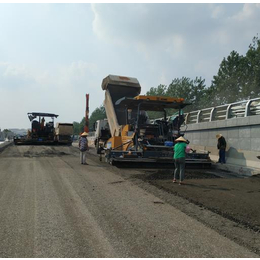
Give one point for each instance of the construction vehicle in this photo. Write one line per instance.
(133, 137)
(42, 133)
(102, 134)
(63, 133)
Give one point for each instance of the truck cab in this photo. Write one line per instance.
(102, 134)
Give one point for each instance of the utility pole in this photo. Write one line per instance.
(86, 127)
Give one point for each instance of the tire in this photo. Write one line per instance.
(97, 148)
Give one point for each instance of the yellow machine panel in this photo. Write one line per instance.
(127, 136)
(115, 142)
(127, 141)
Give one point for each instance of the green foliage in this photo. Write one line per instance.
(238, 77)
(82, 125)
(159, 91)
(229, 84)
(193, 91)
(253, 58)
(76, 128)
(7, 133)
(97, 114)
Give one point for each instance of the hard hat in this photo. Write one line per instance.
(84, 134)
(181, 139)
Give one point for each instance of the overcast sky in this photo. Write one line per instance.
(51, 55)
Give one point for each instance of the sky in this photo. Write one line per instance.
(52, 55)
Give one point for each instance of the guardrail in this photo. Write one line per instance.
(234, 110)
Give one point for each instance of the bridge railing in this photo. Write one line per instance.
(234, 110)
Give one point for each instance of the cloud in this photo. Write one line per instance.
(61, 90)
(175, 45)
(147, 23)
(179, 37)
(79, 69)
(217, 11)
(14, 77)
(249, 12)
(52, 54)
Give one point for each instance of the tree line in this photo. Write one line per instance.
(97, 114)
(238, 78)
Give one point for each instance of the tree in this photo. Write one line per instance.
(97, 114)
(238, 77)
(229, 84)
(253, 58)
(193, 91)
(7, 133)
(159, 91)
(76, 128)
(82, 124)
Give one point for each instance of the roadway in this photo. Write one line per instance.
(52, 206)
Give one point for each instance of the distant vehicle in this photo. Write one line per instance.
(45, 134)
(102, 134)
(63, 133)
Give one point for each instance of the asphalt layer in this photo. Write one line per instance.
(52, 206)
(223, 201)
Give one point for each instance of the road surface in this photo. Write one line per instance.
(52, 206)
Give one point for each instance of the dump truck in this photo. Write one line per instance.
(42, 132)
(63, 133)
(134, 138)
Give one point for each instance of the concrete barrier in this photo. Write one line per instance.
(5, 145)
(243, 141)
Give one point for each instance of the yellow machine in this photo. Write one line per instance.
(137, 119)
(134, 137)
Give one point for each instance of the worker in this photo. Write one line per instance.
(42, 123)
(179, 159)
(222, 148)
(29, 133)
(83, 147)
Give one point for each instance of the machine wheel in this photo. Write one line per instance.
(98, 149)
(108, 160)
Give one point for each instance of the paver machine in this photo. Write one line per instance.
(40, 132)
(135, 138)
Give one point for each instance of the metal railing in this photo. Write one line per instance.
(234, 110)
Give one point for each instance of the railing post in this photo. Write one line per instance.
(247, 110)
(187, 118)
(198, 116)
(228, 111)
(212, 114)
